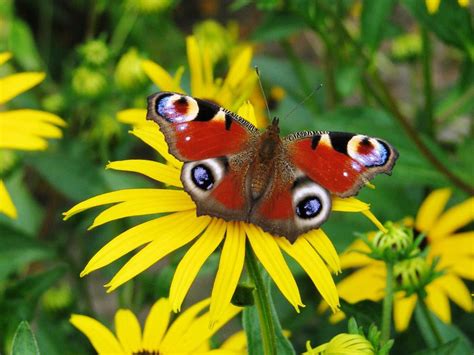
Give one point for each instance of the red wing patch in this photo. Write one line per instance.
(336, 172)
(230, 191)
(277, 206)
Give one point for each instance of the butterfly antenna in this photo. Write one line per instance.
(304, 100)
(257, 71)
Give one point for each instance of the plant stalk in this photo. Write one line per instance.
(387, 304)
(427, 123)
(263, 304)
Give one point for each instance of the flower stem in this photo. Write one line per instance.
(387, 304)
(429, 320)
(263, 304)
(427, 124)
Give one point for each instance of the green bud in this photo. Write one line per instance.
(413, 275)
(88, 82)
(129, 73)
(150, 6)
(95, 52)
(53, 103)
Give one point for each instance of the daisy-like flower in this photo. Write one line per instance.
(23, 129)
(455, 251)
(344, 343)
(162, 235)
(187, 334)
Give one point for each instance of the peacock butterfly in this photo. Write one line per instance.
(233, 171)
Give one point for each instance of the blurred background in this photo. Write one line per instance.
(398, 70)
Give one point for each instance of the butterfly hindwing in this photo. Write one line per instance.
(197, 129)
(340, 162)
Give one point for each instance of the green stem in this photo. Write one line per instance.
(427, 124)
(124, 26)
(429, 320)
(387, 304)
(263, 304)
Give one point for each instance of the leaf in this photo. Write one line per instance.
(451, 23)
(24, 341)
(18, 251)
(70, 171)
(277, 26)
(448, 332)
(443, 349)
(374, 18)
(366, 312)
(23, 45)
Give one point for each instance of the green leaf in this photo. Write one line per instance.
(374, 18)
(366, 312)
(251, 325)
(444, 349)
(451, 23)
(24, 341)
(18, 251)
(277, 26)
(70, 171)
(23, 45)
(449, 332)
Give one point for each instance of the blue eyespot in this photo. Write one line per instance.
(309, 207)
(202, 177)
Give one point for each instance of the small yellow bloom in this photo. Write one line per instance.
(433, 5)
(456, 259)
(343, 344)
(23, 129)
(187, 334)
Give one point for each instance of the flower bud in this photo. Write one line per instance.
(88, 82)
(129, 73)
(95, 52)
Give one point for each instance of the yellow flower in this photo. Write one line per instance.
(22, 129)
(187, 334)
(433, 5)
(165, 234)
(341, 344)
(455, 250)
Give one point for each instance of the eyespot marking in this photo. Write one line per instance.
(370, 152)
(310, 207)
(202, 177)
(177, 108)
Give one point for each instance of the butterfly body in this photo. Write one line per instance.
(236, 172)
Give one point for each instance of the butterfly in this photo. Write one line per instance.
(282, 184)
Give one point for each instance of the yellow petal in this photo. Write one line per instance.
(456, 290)
(160, 77)
(463, 3)
(155, 139)
(128, 330)
(237, 342)
(312, 263)
(402, 310)
(154, 170)
(6, 204)
(461, 266)
(267, 251)
(108, 198)
(168, 241)
(159, 201)
(17, 84)
(193, 260)
(134, 116)
(208, 78)
(375, 221)
(4, 57)
(323, 245)
(134, 238)
(350, 204)
(181, 325)
(432, 5)
(102, 339)
(238, 71)
(460, 244)
(438, 303)
(156, 325)
(456, 217)
(431, 209)
(200, 332)
(26, 118)
(364, 284)
(247, 111)
(230, 268)
(195, 67)
(354, 255)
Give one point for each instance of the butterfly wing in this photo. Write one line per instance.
(340, 162)
(217, 147)
(197, 129)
